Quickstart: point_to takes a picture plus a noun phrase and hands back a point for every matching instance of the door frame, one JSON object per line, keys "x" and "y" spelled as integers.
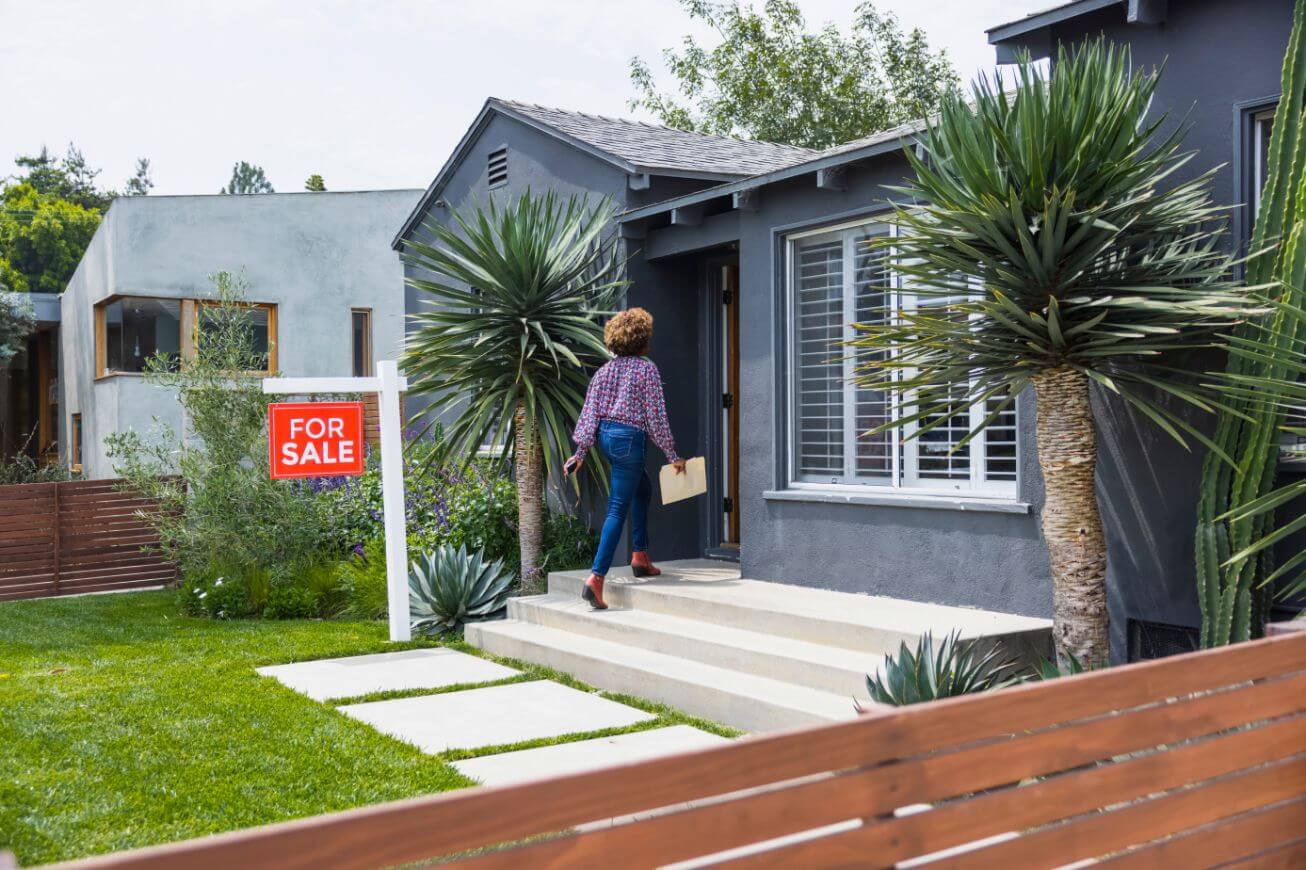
{"x": 722, "y": 536}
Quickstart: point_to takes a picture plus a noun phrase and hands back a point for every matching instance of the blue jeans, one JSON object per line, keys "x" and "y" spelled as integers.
{"x": 631, "y": 491}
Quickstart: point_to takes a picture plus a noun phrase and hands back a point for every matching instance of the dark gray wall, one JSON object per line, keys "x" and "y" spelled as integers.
{"x": 990, "y": 560}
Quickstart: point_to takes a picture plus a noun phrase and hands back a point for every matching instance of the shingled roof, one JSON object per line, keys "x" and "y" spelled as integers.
{"x": 652, "y": 147}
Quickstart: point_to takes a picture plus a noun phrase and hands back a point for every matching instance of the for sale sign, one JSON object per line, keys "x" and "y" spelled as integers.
{"x": 315, "y": 439}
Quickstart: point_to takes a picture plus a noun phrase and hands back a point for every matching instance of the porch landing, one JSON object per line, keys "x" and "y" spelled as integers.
{"x": 746, "y": 653}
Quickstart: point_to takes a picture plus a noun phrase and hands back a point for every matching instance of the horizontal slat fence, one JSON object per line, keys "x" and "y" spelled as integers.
{"x": 1192, "y": 761}
{"x": 73, "y": 537}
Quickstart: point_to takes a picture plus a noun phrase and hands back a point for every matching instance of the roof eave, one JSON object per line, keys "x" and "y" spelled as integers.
{"x": 1038, "y": 21}
{"x": 761, "y": 180}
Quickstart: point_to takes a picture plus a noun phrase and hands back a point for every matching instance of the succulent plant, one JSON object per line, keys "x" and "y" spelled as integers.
{"x": 448, "y": 587}
{"x": 928, "y": 673}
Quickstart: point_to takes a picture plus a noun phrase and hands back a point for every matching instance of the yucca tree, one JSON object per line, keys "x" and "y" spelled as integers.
{"x": 1053, "y": 249}
{"x": 511, "y": 333}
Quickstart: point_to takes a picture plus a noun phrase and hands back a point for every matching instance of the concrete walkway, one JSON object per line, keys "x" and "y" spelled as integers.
{"x": 478, "y": 717}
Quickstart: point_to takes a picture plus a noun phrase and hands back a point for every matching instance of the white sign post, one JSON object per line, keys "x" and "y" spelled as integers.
{"x": 387, "y": 385}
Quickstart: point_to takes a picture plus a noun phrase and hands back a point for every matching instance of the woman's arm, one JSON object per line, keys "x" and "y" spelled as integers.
{"x": 655, "y": 414}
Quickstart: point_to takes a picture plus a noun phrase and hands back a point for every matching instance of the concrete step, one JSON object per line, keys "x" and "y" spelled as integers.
{"x": 734, "y": 698}
{"x": 816, "y": 666}
{"x": 713, "y": 592}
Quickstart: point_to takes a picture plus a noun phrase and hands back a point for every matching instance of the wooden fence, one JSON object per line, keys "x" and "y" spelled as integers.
{"x": 1195, "y": 760}
{"x": 73, "y": 537}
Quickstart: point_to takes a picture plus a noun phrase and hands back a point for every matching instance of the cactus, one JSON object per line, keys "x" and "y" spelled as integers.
{"x": 1231, "y": 570}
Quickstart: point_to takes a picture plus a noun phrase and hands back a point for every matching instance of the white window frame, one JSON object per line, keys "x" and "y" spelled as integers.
{"x": 905, "y": 477}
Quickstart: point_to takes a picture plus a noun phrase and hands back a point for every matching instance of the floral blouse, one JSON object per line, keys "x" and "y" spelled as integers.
{"x": 627, "y": 389}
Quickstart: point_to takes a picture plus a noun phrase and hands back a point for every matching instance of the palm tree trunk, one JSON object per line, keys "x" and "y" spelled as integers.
{"x": 1072, "y": 525}
{"x": 528, "y": 468}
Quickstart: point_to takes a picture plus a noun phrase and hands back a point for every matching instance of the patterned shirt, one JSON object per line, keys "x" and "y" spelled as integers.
{"x": 627, "y": 389}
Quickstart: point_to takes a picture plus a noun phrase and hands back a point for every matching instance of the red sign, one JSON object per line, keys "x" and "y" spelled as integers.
{"x": 315, "y": 439}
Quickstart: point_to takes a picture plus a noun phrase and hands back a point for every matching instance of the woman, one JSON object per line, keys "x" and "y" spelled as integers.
{"x": 624, "y": 403}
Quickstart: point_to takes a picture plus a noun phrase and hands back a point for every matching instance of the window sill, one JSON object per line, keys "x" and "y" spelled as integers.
{"x": 983, "y": 504}
{"x": 104, "y": 376}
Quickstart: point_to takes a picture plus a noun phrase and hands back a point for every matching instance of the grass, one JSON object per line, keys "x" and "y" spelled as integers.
{"x": 124, "y": 724}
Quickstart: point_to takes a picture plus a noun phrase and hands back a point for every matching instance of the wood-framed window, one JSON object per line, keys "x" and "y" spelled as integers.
{"x": 131, "y": 329}
{"x": 262, "y": 317}
{"x": 75, "y": 443}
{"x": 836, "y": 278}
{"x": 360, "y": 330}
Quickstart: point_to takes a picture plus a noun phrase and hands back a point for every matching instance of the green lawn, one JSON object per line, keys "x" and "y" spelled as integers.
{"x": 123, "y": 724}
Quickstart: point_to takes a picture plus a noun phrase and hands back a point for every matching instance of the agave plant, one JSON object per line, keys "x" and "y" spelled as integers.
{"x": 927, "y": 673}
{"x": 448, "y": 587}
{"x": 505, "y": 346}
{"x": 1051, "y": 249}
{"x": 1049, "y": 669}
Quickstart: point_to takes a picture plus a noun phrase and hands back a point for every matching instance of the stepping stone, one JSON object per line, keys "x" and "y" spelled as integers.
{"x": 494, "y": 715}
{"x": 564, "y": 758}
{"x": 324, "y": 679}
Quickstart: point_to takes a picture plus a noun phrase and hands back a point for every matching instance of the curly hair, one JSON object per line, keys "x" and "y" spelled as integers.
{"x": 629, "y": 332}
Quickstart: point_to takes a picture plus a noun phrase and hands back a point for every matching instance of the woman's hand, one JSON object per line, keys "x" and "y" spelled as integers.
{"x": 572, "y": 465}
{"x": 680, "y": 466}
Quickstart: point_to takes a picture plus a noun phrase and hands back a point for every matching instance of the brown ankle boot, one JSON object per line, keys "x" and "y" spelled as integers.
{"x": 593, "y": 592}
{"x": 640, "y": 565}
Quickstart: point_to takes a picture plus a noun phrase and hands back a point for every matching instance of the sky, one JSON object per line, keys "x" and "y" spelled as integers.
{"x": 371, "y": 94}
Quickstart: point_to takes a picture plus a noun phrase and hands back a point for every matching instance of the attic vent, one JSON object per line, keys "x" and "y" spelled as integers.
{"x": 496, "y": 167}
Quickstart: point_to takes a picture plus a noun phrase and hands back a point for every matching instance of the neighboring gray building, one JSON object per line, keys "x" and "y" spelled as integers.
{"x": 752, "y": 277}
{"x": 326, "y": 285}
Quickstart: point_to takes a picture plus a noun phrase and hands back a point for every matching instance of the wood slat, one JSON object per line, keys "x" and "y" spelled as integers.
{"x": 76, "y": 536}
{"x": 894, "y": 839}
{"x": 1104, "y": 833}
{"x": 1246, "y": 836}
{"x": 422, "y": 828}
{"x": 709, "y": 829}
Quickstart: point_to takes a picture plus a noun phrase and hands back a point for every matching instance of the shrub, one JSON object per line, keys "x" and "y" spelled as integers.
{"x": 927, "y": 674}
{"x": 221, "y": 508}
{"x": 220, "y": 594}
{"x": 448, "y": 587}
{"x": 363, "y": 581}
{"x": 568, "y": 543}
{"x": 291, "y": 602}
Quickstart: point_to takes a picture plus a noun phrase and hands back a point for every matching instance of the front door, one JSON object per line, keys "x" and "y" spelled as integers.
{"x": 730, "y": 404}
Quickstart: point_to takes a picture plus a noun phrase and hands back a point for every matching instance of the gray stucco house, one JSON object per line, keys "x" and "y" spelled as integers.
{"x": 323, "y": 278}
{"x": 753, "y": 270}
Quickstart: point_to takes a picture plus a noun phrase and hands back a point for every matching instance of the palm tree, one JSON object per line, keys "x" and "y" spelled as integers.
{"x": 1052, "y": 256}
{"x": 506, "y": 345}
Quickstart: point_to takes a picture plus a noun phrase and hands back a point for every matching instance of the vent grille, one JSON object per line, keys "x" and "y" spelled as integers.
{"x": 1156, "y": 640}
{"x": 496, "y": 167}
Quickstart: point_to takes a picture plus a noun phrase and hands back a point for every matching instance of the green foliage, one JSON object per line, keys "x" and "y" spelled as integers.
{"x": 449, "y": 587}
{"x": 287, "y": 601}
{"x": 927, "y": 674}
{"x": 363, "y": 581}
{"x": 221, "y": 508}
{"x": 17, "y": 322}
{"x": 771, "y": 79}
{"x": 142, "y": 181}
{"x": 247, "y": 178}
{"x": 69, "y": 178}
{"x": 42, "y": 238}
{"x": 528, "y": 334}
{"x": 24, "y": 469}
{"x": 1045, "y": 241}
{"x": 569, "y": 543}
{"x": 315, "y": 184}
{"x": 1263, "y": 382}
{"x": 480, "y": 514}
{"x": 1049, "y": 669}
